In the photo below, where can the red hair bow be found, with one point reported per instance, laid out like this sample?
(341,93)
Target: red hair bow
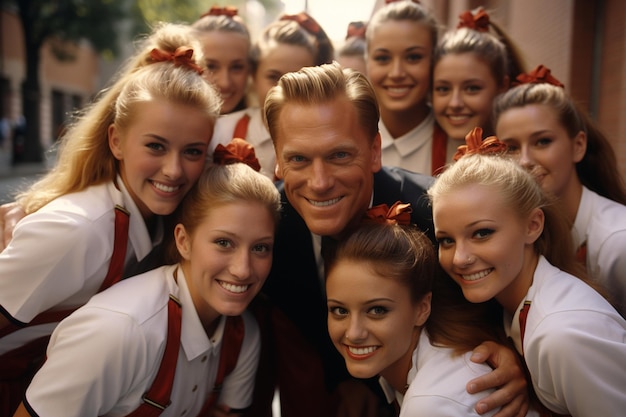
(356,30)
(230,11)
(183,56)
(539,75)
(305,21)
(238,150)
(476,145)
(478,21)
(399,213)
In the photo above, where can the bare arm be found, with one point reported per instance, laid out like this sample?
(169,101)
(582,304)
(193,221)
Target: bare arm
(10,214)
(508,378)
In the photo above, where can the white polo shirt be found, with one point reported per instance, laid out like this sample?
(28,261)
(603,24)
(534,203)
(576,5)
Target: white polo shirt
(105,356)
(60,254)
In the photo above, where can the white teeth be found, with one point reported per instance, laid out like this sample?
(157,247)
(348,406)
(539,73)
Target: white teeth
(361,351)
(165,188)
(234,288)
(458,118)
(397,90)
(324,203)
(477,275)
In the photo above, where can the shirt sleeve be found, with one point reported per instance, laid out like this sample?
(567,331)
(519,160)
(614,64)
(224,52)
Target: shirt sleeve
(50,258)
(98,361)
(578,358)
(239,385)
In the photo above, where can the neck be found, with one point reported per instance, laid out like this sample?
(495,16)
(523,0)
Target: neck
(399,123)
(397,373)
(511,297)
(570,198)
(207,315)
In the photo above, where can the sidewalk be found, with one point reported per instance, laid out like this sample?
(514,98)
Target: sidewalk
(22,169)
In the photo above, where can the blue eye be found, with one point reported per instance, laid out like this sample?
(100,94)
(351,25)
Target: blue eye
(483,233)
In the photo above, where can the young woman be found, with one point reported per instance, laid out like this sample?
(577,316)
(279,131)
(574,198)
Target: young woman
(381,319)
(401,38)
(501,238)
(226,43)
(285,45)
(573,160)
(126,162)
(174,328)
(471,67)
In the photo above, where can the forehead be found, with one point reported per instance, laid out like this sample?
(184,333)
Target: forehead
(321,125)
(400,35)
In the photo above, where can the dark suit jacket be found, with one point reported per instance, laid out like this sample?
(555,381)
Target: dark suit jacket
(294,285)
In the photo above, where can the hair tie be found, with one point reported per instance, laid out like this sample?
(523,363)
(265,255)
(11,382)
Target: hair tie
(395,1)
(238,150)
(356,30)
(478,21)
(230,11)
(539,75)
(182,57)
(476,145)
(305,21)
(399,213)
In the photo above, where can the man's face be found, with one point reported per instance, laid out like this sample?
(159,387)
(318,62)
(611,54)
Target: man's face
(327,163)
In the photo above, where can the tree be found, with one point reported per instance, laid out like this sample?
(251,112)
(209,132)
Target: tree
(65,23)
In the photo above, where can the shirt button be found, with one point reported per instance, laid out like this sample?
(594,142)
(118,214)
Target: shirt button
(195,387)
(204,358)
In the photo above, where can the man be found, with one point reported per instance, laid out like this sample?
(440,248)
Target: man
(324,124)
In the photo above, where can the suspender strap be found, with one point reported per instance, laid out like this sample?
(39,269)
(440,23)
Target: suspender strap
(158,396)
(234,331)
(440,148)
(116,266)
(114,274)
(241,128)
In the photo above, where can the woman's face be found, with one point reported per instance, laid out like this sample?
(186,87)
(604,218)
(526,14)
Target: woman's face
(372,320)
(278,60)
(542,145)
(227,60)
(484,244)
(399,56)
(463,91)
(161,153)
(227,257)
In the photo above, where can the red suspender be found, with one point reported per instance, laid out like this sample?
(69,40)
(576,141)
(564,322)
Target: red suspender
(114,274)
(523,314)
(440,148)
(158,396)
(229,354)
(118,258)
(241,128)
(581,253)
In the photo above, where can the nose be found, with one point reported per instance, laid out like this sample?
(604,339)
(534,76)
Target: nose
(221,79)
(397,69)
(456,99)
(320,179)
(239,266)
(462,256)
(356,331)
(525,158)
(172,167)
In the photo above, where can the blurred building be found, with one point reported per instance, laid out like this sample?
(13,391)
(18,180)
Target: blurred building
(65,85)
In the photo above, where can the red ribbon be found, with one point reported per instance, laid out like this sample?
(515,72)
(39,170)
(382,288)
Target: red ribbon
(478,21)
(356,30)
(399,213)
(238,150)
(183,56)
(305,21)
(230,11)
(539,75)
(476,145)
